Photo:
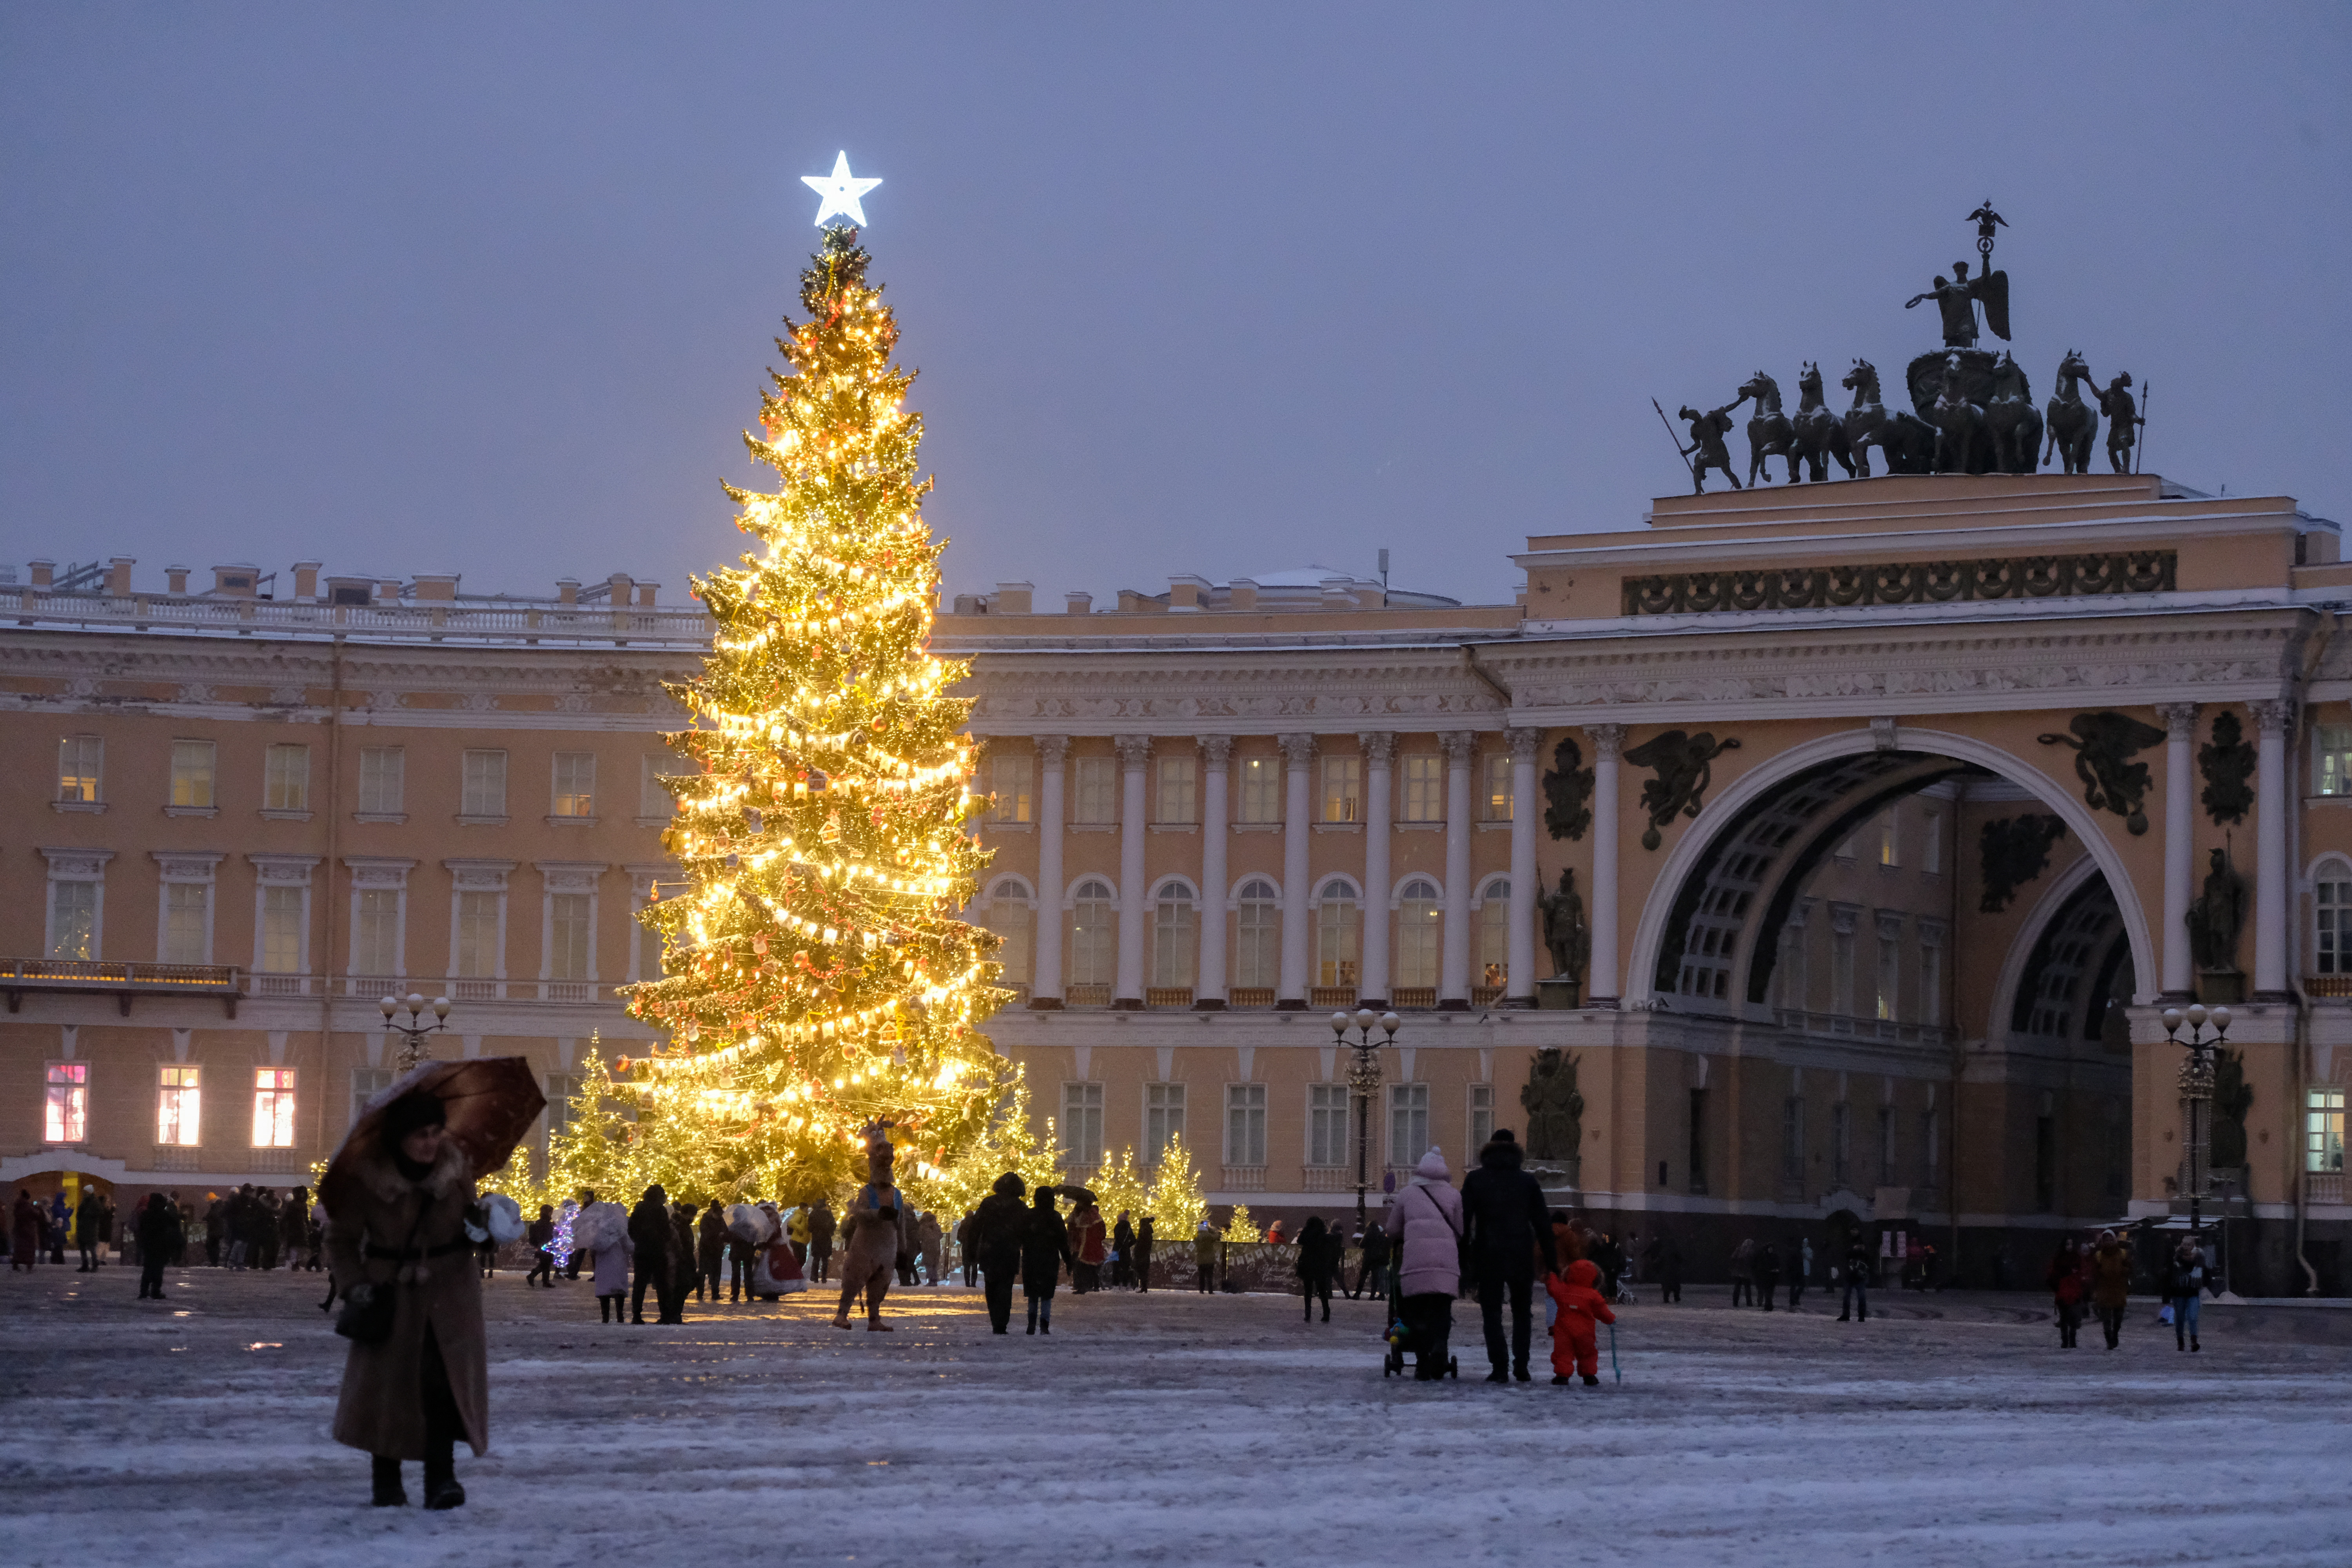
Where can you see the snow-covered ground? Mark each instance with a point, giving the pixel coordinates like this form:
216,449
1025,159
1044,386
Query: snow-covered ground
1176,1428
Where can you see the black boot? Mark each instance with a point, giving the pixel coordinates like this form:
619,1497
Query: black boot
389,1493
441,1488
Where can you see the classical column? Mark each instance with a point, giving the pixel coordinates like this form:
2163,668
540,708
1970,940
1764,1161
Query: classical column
1521,954
1380,827
1216,755
1297,825
1454,953
1046,960
1601,987
2179,981
2270,890
1134,910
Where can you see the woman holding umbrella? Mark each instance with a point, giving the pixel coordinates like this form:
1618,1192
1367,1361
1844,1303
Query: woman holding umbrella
399,1196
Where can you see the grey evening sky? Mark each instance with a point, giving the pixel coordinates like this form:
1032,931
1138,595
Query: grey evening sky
1192,288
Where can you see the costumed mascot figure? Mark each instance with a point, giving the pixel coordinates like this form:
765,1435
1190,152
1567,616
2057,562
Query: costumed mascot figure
876,1228
775,1272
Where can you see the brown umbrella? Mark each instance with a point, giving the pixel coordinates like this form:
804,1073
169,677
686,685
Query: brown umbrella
491,1102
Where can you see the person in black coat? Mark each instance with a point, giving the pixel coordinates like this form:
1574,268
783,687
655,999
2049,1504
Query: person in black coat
89,1230
1505,1226
1045,1248
821,1226
650,1229
710,1251
1768,1273
1319,1251
1667,1267
158,1230
994,1239
1372,1274
1143,1240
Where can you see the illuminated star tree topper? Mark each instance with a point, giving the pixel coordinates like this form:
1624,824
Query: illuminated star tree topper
840,193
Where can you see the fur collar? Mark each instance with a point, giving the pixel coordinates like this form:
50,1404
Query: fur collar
384,1181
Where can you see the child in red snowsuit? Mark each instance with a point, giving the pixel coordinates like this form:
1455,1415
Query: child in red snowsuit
1581,1308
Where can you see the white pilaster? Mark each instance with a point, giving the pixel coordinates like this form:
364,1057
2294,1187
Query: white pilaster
2180,851
2270,890
1046,984
1603,984
1297,828
1380,827
1520,983
1134,907
1216,757
1453,949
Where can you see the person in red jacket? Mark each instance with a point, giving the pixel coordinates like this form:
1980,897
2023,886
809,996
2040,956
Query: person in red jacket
1583,1309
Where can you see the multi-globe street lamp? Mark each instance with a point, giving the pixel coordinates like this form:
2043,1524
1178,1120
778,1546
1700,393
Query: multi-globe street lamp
2197,1089
413,1049
1364,1082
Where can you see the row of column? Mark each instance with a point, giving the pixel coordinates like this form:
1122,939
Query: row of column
1454,978
2271,890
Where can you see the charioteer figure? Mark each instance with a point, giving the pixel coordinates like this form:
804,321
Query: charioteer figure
1706,449
1957,299
2124,420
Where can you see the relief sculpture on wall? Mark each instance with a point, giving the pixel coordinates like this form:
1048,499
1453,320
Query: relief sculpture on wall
2103,745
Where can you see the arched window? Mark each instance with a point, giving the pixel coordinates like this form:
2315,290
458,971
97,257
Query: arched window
1495,934
1008,915
1339,935
1257,936
1174,937
1418,914
1093,937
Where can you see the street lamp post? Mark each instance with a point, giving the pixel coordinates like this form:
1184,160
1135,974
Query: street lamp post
413,1049
2197,1088
1364,1082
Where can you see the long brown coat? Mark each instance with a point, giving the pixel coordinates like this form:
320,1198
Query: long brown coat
2111,1272
382,1409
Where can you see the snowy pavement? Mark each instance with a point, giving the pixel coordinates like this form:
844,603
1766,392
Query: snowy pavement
1174,1428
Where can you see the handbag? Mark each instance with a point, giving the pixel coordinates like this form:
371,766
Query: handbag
369,1322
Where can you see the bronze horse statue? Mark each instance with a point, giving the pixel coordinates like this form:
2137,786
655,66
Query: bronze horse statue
1770,434
2013,420
1909,444
2073,423
1956,421
1820,436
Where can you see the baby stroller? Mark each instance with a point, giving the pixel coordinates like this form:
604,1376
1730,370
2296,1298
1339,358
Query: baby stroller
1402,1336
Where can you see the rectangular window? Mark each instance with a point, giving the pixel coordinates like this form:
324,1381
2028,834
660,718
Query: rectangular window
1009,778
80,760
65,1113
1792,1138
1890,963
1261,781
1175,938
1931,986
1840,1147
1258,938
281,930
1424,789
654,798
273,1108
2332,904
1408,1122
1082,1123
575,784
483,790
567,936
73,920
366,1083
562,1088
187,907
1495,936
375,932
2323,1130
1327,1124
384,780
1093,936
1497,803
286,779
1841,972
477,935
1163,1118
1482,1117
1888,851
1343,789
1931,844
1694,1149
1180,789
1245,1124
179,1106
1885,1145
2331,758
192,763
1009,916
1095,784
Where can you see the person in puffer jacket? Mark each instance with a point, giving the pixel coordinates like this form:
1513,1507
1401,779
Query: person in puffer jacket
1575,1345
1425,1219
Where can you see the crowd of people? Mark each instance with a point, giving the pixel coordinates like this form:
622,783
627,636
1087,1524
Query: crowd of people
249,1227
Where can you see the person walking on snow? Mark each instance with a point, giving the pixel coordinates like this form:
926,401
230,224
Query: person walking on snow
1205,1242
820,1242
1858,1265
993,1238
1508,1225
159,1227
1319,1260
1045,1247
1575,1347
1768,1273
1374,1267
2110,1285
1426,1220
1743,1273
651,1238
2185,1285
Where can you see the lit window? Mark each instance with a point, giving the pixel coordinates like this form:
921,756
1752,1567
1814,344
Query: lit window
375,933
192,763
73,920
2332,953
1175,940
1257,937
383,780
1245,1124
1498,787
575,784
179,1107
2324,1131
1887,854
282,919
1096,788
2331,758
1093,940
1339,935
1424,789
79,759
1261,779
187,910
1180,794
1009,781
1163,1118
1495,935
1417,923
1890,959
273,1108
485,784
1343,789
1408,1122
1082,1123
65,1114
567,936
477,935
286,779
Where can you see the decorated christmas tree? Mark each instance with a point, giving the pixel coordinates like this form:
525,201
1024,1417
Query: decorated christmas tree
816,979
